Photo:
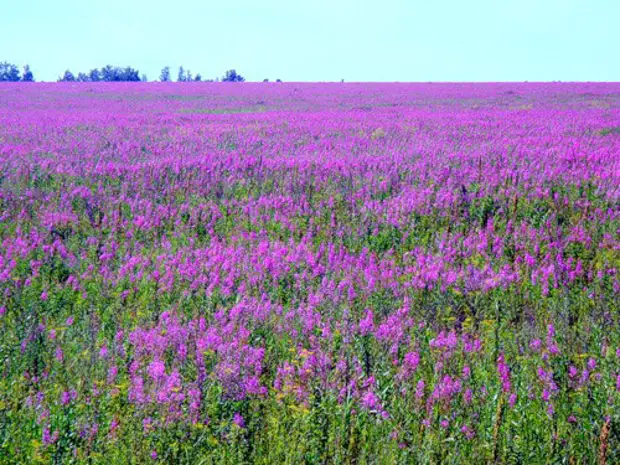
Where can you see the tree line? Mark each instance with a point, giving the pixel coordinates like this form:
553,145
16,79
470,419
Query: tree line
11,73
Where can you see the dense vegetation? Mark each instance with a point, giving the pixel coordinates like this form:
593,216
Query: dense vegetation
264,273
10,73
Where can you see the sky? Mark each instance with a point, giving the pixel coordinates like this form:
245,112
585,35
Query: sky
320,40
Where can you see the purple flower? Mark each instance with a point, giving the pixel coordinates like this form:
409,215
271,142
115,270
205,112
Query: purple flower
411,361
512,400
419,391
367,323
370,401
238,420
156,369
65,398
535,345
468,432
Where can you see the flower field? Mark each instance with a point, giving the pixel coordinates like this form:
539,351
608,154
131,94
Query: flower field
270,273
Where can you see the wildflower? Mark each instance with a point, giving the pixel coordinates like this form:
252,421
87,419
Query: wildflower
156,369
512,400
238,420
370,400
419,391
468,432
411,361
504,373
572,372
366,325
467,396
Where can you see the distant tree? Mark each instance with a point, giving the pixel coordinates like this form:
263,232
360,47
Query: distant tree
94,75
9,72
143,78
111,73
181,76
27,75
232,76
265,80
198,78
67,77
278,80
164,76
188,76
107,73
127,74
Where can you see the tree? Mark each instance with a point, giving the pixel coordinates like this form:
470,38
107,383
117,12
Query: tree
111,73
9,72
107,73
94,75
127,74
83,77
143,78
165,74
198,78
181,76
232,76
265,80
27,75
67,77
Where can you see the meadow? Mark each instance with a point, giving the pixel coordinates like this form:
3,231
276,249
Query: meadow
279,273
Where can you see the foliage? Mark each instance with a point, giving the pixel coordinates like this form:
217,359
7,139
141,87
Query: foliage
108,73
164,76
309,273
67,77
232,76
9,72
27,75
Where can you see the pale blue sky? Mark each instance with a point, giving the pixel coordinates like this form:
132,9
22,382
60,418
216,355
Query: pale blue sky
320,40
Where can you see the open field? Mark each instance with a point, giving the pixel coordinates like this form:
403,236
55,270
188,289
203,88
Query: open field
309,273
